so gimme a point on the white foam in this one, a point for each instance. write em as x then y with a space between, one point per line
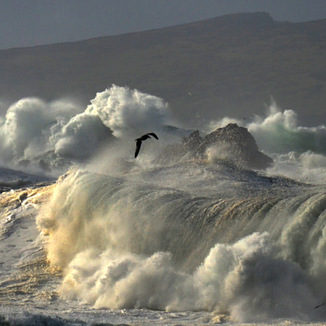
107 234
279 132
35 130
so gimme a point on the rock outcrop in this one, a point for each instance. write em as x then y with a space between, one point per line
231 143
239 146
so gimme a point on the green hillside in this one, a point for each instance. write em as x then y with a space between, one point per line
230 65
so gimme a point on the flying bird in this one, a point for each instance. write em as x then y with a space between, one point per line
140 139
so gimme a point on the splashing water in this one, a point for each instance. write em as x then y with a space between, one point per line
192 235
144 241
58 133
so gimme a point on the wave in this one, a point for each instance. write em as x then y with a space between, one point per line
189 236
48 138
279 132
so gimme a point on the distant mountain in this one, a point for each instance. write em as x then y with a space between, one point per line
230 65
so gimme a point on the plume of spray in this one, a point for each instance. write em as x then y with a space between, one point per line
279 133
26 128
129 113
298 151
34 130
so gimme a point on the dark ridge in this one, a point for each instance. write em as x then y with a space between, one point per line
231 65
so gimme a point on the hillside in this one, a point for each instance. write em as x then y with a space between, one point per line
230 65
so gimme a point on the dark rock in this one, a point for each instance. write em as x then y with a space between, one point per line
193 141
231 143
239 146
234 135
188 149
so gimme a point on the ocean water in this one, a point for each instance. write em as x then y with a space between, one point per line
91 236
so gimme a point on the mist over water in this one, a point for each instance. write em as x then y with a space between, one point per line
181 235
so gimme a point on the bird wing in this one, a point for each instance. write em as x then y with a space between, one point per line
144 137
152 134
138 144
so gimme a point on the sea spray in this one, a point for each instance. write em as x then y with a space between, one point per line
298 151
26 128
279 133
143 240
197 235
189 235
127 112
47 135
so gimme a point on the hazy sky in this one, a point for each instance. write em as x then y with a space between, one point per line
36 22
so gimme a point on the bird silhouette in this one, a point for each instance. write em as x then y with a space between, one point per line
140 139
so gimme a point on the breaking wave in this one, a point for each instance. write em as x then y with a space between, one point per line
48 137
184 235
35 133
189 237
279 133
298 151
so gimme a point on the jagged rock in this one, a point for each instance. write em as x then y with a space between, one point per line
231 143
239 145
234 135
193 141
